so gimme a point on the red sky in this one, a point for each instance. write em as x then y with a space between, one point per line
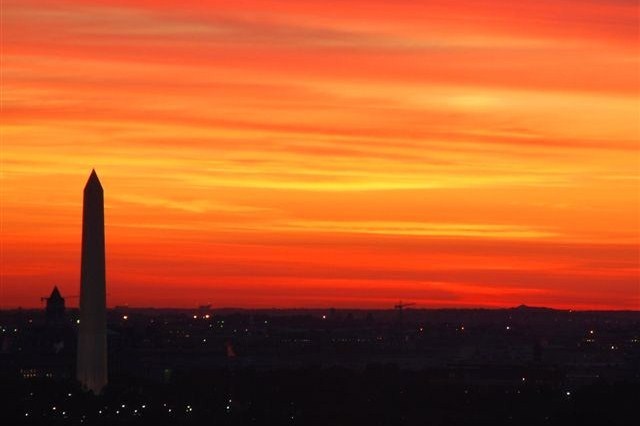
325 153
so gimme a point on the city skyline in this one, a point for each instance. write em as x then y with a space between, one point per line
308 154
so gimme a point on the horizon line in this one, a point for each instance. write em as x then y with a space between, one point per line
231 308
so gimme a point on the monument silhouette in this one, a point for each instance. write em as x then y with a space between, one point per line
91 368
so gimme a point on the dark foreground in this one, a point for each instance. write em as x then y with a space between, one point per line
505 367
380 395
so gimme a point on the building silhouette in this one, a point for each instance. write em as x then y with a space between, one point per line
91 367
55 307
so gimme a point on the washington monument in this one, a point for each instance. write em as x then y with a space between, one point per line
91 369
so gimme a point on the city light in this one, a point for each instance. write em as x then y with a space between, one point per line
338 331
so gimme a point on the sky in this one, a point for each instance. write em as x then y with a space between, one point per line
324 153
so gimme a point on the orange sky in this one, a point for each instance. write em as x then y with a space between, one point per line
325 153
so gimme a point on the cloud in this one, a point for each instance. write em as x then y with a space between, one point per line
327 144
424 229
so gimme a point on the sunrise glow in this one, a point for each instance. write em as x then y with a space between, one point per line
316 154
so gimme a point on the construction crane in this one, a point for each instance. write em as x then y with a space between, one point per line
46 298
400 307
